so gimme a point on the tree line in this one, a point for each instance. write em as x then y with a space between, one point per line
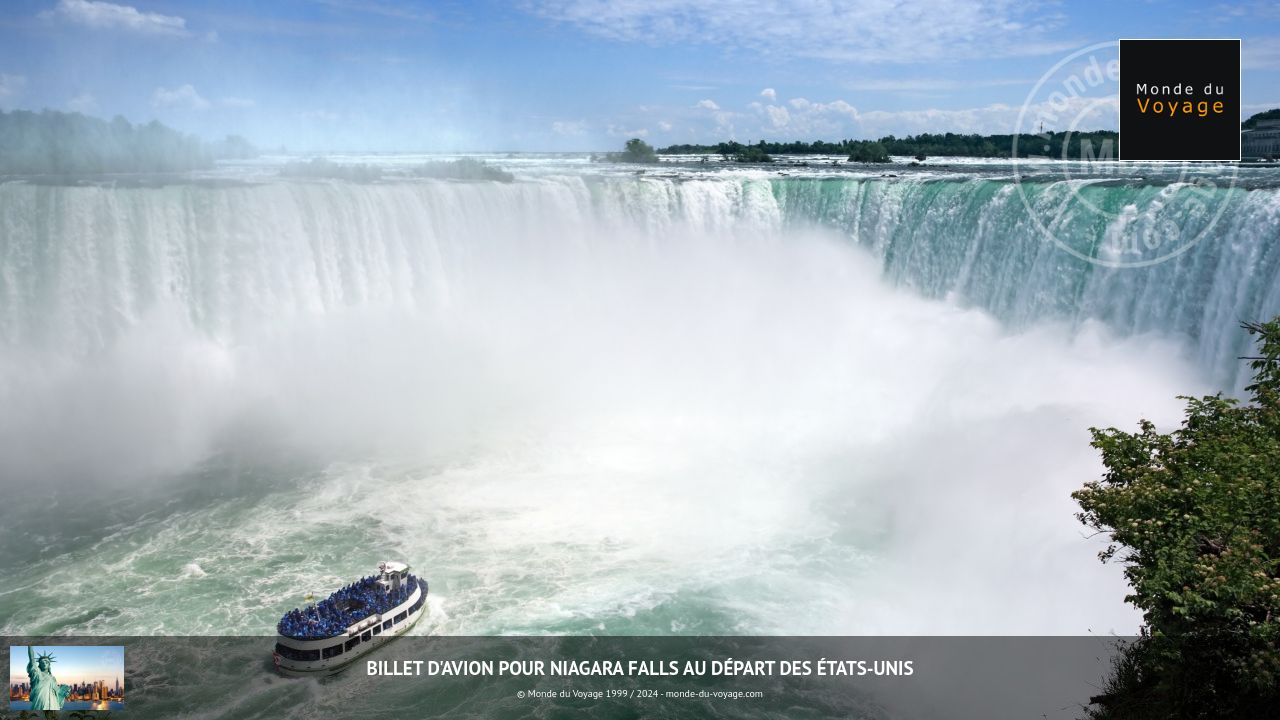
1252 122
54 143
1096 144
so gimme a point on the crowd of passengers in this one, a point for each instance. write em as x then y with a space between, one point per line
333 615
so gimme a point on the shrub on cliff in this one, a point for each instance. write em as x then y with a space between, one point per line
1194 515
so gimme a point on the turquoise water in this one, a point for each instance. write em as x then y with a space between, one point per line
693 402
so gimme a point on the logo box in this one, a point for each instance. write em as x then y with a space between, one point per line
1180 100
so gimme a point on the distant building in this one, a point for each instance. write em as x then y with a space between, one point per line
1261 142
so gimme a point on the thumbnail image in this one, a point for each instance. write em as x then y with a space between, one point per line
66 677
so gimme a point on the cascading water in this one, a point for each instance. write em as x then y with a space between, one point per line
706 403
124 252
974 240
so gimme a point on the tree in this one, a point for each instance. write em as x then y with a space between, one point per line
1194 515
869 152
57 143
234 147
637 151
753 154
1252 122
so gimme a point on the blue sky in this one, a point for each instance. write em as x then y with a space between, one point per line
73 664
579 74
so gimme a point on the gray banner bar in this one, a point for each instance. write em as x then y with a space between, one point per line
907 678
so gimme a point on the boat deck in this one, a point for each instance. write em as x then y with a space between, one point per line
345 607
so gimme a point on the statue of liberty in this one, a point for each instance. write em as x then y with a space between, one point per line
46 693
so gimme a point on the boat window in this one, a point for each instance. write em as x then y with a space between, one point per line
294 654
366 635
387 625
377 630
352 642
332 651
400 617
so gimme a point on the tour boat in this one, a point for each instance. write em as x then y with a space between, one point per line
324 637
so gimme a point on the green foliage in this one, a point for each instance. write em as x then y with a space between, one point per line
325 169
1100 144
753 154
57 143
869 152
468 169
637 151
1194 515
1252 122
729 150
463 169
234 147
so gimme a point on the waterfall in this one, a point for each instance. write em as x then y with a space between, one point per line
974 241
820 384
79 264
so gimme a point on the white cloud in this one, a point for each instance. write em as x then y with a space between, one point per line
708 104
236 102
1081 113
839 107
1259 9
906 31
568 127
802 117
83 103
619 131
664 126
778 115
915 85
769 93
183 97
109 16
11 85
